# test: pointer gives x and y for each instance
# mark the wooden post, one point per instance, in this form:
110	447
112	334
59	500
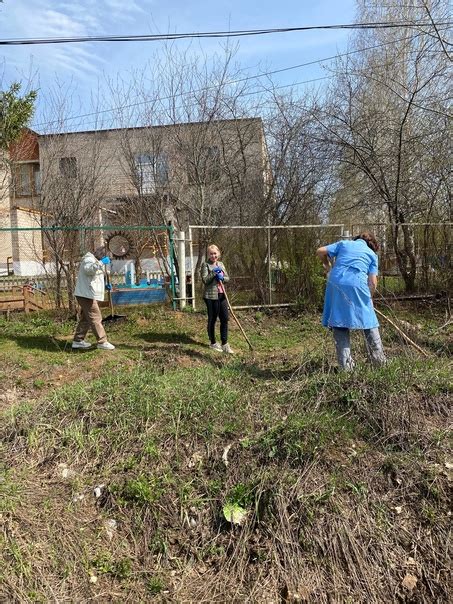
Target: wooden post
26	295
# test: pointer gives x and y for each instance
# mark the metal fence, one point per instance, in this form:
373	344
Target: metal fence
268	265
38	265
277	265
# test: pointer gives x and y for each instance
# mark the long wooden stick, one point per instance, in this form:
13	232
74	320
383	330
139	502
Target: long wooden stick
109	291
402	334
235	318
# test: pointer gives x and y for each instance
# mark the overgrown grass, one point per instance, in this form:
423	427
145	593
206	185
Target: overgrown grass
120	466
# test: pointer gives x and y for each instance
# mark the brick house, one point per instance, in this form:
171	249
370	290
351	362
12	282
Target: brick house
192	172
21	252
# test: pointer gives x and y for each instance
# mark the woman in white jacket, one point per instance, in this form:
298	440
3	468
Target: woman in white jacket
88	291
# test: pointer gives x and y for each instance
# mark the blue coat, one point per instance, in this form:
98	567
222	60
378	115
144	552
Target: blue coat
348	301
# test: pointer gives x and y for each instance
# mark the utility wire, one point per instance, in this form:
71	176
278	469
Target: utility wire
251	93
215	34
228	83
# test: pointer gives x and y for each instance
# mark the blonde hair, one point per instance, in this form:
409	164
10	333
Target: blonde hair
213	247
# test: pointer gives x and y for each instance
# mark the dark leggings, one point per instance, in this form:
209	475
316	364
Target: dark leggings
217	308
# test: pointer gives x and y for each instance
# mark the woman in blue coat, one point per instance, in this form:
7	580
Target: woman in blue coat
352	268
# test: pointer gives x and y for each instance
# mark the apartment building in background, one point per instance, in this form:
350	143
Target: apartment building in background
145	175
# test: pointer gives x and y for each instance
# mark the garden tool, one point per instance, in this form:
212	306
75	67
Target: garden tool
112	316
235	318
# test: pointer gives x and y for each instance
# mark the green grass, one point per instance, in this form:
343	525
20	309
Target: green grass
175	433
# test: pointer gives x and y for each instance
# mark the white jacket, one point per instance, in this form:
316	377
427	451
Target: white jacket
90	280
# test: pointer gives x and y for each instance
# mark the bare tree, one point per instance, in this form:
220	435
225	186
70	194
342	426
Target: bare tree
196	158
385	115
75	182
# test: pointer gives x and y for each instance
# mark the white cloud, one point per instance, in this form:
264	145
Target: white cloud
122	7
50	19
85	63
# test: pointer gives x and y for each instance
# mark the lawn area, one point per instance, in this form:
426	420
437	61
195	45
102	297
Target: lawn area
166	472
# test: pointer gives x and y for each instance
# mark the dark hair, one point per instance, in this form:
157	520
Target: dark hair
369	239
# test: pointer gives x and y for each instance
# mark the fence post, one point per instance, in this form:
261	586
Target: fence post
269	268
172	265
182	269
192	272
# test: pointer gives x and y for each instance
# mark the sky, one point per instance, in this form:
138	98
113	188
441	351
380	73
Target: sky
84	67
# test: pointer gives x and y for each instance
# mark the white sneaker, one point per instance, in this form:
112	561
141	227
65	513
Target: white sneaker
81	344
227	348
216	346
106	346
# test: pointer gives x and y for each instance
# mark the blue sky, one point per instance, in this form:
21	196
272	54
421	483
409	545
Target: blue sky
82	66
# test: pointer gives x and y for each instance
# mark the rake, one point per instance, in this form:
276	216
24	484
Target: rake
235	318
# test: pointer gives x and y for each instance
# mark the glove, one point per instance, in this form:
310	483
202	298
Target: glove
108	287
220	276
217	270
105	260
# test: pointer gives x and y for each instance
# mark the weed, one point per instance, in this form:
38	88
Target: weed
36	597
150	448
242	494
158	545
10	491
300	437
155	586
429	513
105	563
21	563
312	506
358	488
141	490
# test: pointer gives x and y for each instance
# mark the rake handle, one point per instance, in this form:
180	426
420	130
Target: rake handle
235	318
109	291
401	332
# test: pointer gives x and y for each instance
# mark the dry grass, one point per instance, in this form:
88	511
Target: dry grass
344	477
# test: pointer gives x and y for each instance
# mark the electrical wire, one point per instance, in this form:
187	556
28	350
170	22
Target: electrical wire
228	83
216	34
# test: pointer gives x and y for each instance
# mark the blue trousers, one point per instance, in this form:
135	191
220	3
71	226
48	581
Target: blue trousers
343	346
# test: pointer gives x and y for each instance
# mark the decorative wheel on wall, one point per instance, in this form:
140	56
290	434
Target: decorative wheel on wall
120	245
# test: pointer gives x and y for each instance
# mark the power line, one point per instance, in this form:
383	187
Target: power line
228	83
214	34
251	93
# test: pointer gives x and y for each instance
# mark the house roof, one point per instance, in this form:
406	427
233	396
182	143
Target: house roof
26	147
258	120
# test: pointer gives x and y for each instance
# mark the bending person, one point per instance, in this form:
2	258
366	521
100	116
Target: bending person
352	268
89	290
214	275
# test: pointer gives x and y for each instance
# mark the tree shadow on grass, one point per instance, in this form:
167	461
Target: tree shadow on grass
269	373
44	343
177	353
168	338
293	372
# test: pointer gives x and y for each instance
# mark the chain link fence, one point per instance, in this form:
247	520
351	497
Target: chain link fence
268	265
431	244
278	266
38	265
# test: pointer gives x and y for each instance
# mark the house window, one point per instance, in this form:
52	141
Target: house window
151	172
68	167
206	167
212	164
27	180
36	179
